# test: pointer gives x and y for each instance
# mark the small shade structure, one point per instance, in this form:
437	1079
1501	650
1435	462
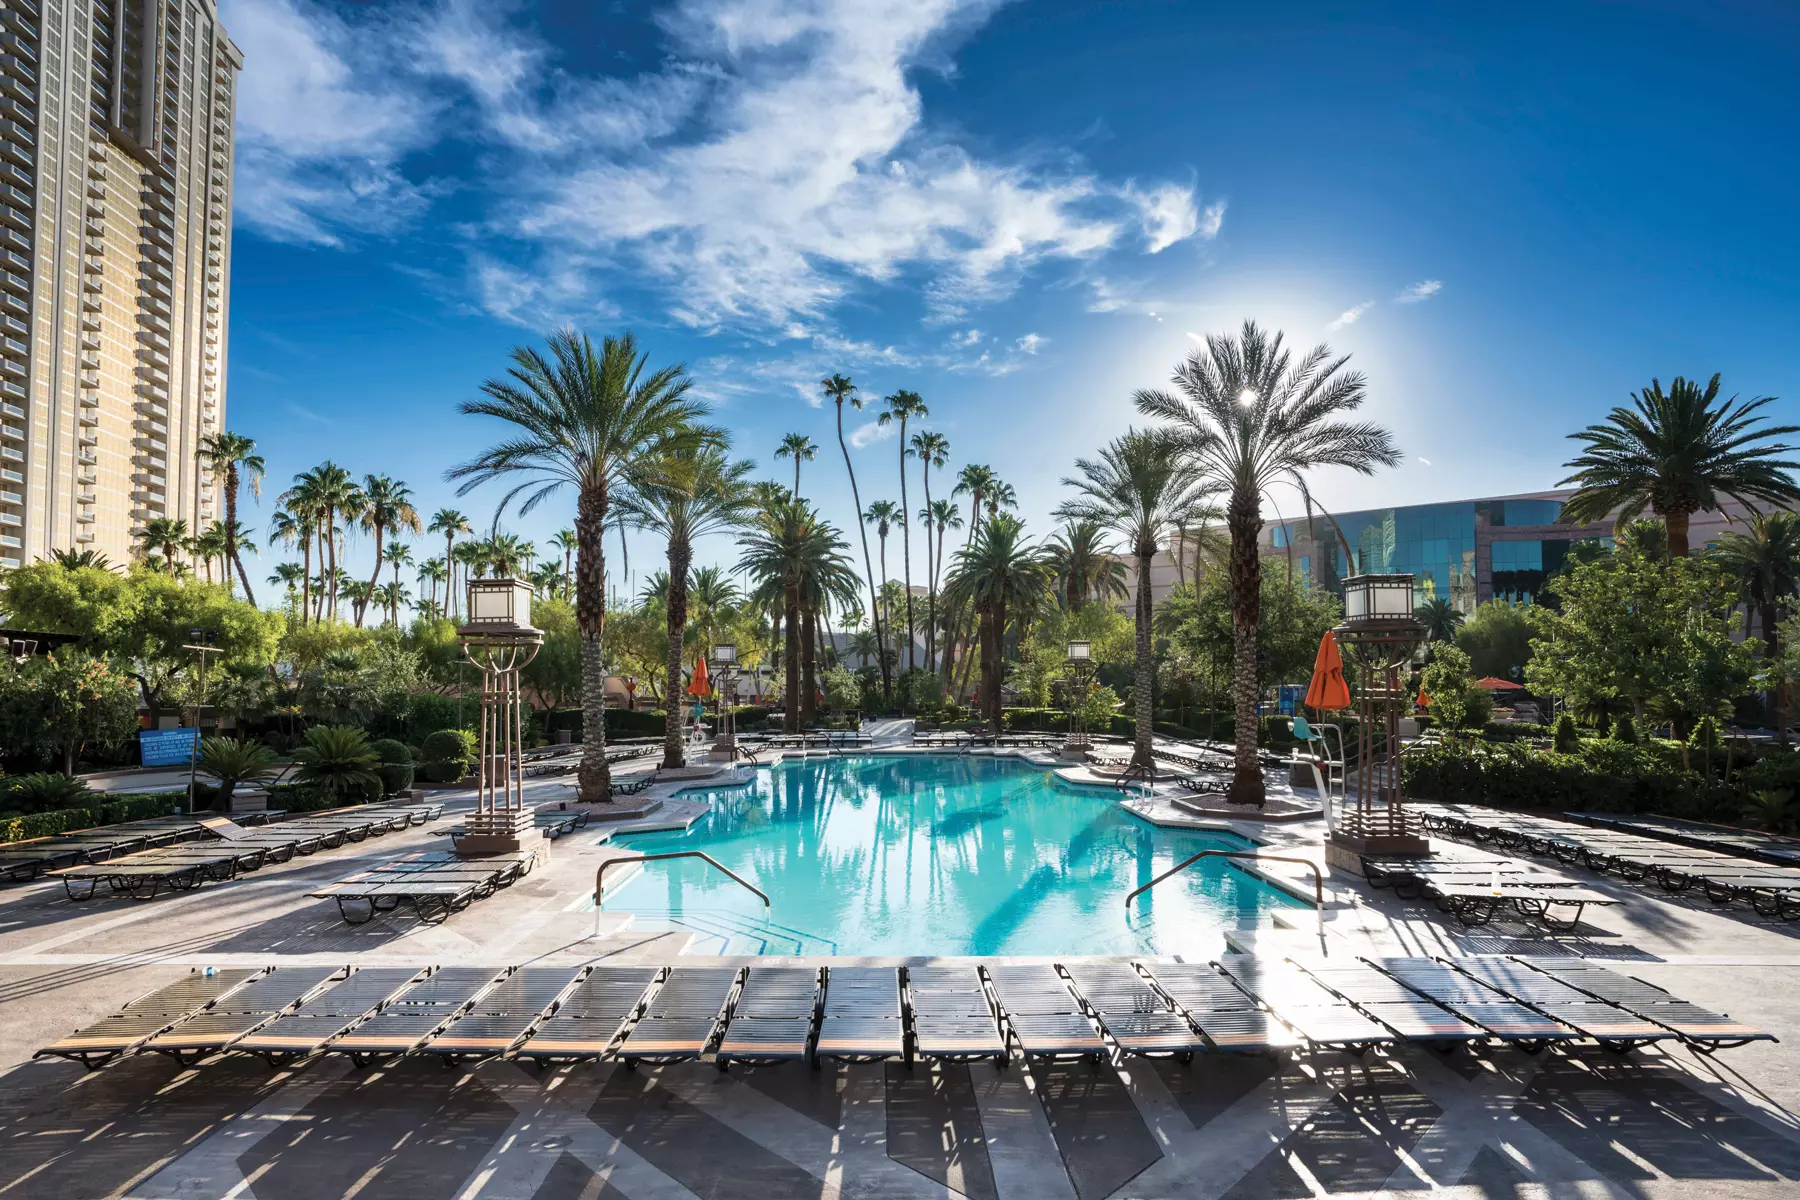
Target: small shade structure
1328	690
700	685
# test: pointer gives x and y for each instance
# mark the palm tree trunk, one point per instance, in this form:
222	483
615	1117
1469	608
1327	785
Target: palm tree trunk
624	554
1245	518
862	528
965	622
595	777
679	554
930	577
331	546
231	526
790	653
1675	530
906	550
993	664
306	566
375	577
1140	690
809	669
887	686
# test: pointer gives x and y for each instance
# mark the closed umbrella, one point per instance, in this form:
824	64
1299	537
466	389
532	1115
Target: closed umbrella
1328	690
700	685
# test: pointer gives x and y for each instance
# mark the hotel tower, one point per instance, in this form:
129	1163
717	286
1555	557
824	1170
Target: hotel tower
115	254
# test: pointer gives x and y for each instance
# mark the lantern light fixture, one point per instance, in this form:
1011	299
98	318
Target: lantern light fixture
1081	652
1378	598
499	606
725	654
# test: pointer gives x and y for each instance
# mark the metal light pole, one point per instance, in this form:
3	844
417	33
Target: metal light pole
1380	634
1080	666
725	666
203	646
499	640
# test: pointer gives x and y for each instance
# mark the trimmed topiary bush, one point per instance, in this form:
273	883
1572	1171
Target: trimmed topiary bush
390	751
1624	731
447	755
1567	738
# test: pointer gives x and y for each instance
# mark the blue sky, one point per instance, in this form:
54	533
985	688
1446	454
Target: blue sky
1512	216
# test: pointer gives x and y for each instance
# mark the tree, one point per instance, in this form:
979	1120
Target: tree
398	555
1201	632
1765	564
290	524
387	508
1136	488
997	571
228	763
800	448
1440	618
164	535
289	575
1452	695
79	558
326	494
1497	640
1252	417
904	406
207	547
1084	565
338	760
882	514
449	522
704	494
589	419
839	390
1676	453
56	705
565	541
555	674
932	450
787	547
233	457
941	516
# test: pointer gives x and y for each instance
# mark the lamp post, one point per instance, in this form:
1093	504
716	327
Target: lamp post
1080	666
1380	634
499	640
725	667
201	644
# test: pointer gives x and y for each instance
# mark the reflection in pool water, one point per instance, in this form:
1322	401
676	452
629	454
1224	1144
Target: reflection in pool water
937	855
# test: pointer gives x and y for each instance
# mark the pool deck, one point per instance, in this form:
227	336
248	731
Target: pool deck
1504	1124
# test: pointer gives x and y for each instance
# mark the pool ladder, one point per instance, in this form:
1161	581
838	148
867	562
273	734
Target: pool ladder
600	875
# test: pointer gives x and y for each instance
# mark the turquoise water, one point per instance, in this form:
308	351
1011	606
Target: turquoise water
937	855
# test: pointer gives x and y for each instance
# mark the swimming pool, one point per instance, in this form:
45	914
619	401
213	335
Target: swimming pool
937	854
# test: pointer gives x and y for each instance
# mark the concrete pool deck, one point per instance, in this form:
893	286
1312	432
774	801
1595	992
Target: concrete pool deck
1650	1124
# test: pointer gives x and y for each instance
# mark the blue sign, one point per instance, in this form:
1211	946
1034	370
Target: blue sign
1292	697
167	747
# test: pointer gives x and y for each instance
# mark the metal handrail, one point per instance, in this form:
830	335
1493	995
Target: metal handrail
600	876
1318	878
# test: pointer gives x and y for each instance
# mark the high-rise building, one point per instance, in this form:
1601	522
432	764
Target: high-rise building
115	253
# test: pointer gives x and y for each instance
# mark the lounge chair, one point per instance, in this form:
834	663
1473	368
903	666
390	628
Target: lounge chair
1324	1019
1223	1012
503	1016
1042	1014
588	1021
1613	1027
772	1019
1703	1030
314	1023
953	1016
417	1013
1502	1017
682	1017
246	1009
147	1016
1138	1018
1387	1001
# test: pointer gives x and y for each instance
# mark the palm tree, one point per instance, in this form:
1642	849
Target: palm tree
208	546
433	571
904	406
839	390
1137	488
940	516
1765	562
882	514
705	494
590	419
800	448
790	547
327	493
932	450
978	480
358	592
391	596
1675	454
1252	417
546	578
296	521
387	507
1083	564
715	598
504	552
565	541
288	575
449	522
398	555
655	589
75	560
996	573
1440	618
164	535
233	456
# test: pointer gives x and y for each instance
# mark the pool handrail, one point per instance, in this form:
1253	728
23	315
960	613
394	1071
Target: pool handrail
1318	877
600	875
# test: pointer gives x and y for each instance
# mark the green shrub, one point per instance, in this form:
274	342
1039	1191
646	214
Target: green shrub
44	791
388	750
227	763
121	807
1602	776
1705	736
395	777
919	691
1771	809
1624	731
337	759
1568	738
630	722
428	712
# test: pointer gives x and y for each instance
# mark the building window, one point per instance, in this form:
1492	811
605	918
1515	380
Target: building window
1524	512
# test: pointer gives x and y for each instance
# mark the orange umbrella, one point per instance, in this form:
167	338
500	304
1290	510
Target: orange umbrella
1328	689
701	685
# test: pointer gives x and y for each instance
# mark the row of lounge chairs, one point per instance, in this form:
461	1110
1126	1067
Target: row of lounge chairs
957	1012
1476	891
830	739
1724	879
22	862
232	850
1750	843
433	883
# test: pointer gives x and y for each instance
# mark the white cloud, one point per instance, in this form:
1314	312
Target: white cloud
1030	343
1351	316
1212	219
1426	461
1116	297
870	432
966	338
1168	215
322	125
1197	337
1423	290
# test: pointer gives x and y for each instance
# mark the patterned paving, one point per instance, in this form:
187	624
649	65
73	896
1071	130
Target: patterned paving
1222	1126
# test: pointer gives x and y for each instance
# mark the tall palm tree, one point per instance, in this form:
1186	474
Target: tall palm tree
164	535
289	575
449	522
996	573
232	458
296	521
588	418
328	493
390	596
941	516
1136	488
932	450
1252	416
800	448
715	598
1440	618
358	592
1765	562
434	571
839	390
397	555
882	514
1084	565
1675	453
387	508
546	579
904	406
978	480
789	546
208	546
565	541
705	494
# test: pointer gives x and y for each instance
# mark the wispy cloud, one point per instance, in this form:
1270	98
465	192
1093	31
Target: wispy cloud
1212	219
1426	461
1030	343
1425	289
967	337
1351	316
871	432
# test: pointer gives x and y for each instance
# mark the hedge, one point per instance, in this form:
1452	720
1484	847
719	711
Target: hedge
620	722
1603	776
17	827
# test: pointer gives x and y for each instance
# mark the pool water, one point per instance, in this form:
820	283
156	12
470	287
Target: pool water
915	855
